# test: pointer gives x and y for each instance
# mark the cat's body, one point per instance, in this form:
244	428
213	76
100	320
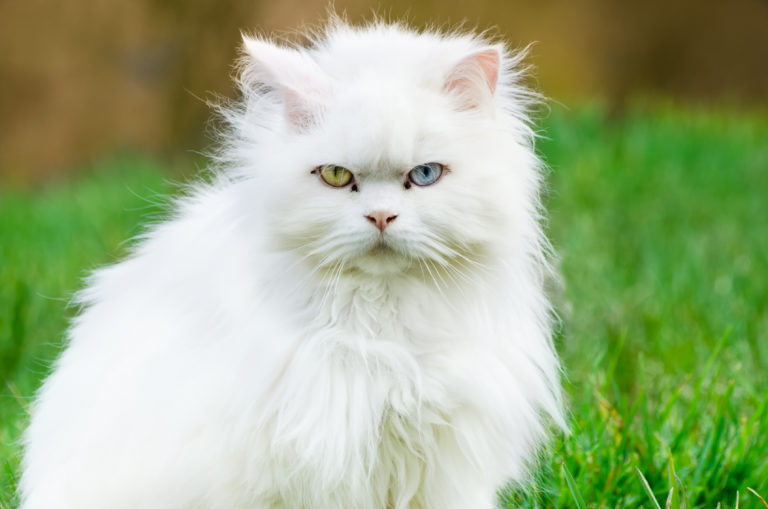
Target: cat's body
280	344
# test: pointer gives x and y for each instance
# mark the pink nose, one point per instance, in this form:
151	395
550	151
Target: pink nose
381	218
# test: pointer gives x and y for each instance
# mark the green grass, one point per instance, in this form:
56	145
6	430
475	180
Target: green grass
660	218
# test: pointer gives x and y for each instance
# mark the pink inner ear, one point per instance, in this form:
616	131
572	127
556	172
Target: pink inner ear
300	110
489	63
470	73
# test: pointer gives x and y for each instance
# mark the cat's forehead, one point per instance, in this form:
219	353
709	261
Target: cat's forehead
348	53
382	128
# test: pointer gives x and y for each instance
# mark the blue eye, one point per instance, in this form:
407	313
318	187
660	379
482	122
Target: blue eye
425	174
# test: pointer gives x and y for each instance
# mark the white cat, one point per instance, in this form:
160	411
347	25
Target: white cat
350	316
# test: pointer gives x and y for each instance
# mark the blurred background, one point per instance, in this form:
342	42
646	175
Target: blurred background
84	79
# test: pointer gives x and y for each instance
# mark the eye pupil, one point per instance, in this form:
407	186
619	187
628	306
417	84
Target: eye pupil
425	174
334	175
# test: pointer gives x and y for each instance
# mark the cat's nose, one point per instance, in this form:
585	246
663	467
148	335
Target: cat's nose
381	218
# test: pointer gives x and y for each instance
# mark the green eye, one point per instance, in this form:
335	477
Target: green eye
333	175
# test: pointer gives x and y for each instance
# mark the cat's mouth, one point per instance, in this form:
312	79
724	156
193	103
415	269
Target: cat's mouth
382	244
382	248
382	256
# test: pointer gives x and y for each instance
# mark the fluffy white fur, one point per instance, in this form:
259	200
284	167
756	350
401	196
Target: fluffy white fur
268	347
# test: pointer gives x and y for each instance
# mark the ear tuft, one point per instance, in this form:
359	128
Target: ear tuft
473	80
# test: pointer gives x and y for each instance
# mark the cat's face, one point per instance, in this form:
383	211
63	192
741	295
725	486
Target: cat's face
394	174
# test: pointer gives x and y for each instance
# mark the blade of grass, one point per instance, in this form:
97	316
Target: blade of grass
574	489
648	489
674	499
758	496
684	492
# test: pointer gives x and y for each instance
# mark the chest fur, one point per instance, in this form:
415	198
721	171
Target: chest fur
364	404
356	426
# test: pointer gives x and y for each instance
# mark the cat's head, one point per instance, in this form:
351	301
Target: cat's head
384	149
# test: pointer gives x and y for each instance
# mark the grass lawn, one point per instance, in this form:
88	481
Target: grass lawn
660	218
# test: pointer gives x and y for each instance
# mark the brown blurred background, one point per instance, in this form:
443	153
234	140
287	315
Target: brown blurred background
83	79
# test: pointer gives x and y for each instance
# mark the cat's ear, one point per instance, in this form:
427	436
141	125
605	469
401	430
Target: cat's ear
473	79
303	88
